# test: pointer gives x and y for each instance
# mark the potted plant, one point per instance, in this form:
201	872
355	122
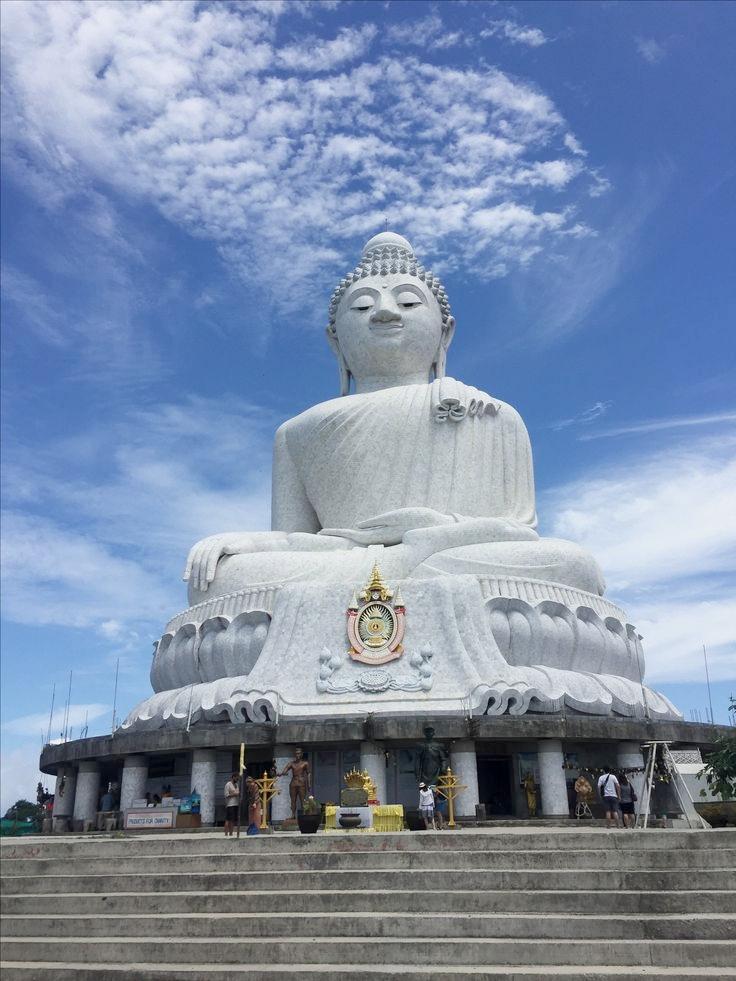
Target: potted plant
310	817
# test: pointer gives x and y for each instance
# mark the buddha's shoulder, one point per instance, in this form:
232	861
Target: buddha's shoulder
457	399
343	405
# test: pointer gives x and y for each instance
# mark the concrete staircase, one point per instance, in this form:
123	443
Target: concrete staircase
505	903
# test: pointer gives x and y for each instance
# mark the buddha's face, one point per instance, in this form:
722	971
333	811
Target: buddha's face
389	326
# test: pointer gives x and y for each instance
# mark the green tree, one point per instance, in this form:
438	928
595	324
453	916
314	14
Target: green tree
720	765
21	810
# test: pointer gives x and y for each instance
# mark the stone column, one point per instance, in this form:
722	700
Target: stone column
281	803
204	781
630	754
133	784
88	791
373	759
463	764
64	802
552	778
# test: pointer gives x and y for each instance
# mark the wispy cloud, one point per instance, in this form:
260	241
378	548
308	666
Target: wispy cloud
631	515
660	425
585	417
511	30
663	527
650	50
272	151
104	546
315	55
429	32
38	722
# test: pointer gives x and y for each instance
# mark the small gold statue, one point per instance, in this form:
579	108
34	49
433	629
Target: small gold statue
530	789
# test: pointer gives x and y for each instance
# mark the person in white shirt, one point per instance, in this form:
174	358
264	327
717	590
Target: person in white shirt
232	803
426	806
610	793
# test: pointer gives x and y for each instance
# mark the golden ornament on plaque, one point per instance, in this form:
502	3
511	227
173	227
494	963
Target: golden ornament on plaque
376	622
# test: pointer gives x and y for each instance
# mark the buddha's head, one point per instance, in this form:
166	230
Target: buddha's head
390	321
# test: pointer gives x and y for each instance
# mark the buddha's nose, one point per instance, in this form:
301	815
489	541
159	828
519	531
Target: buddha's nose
386	310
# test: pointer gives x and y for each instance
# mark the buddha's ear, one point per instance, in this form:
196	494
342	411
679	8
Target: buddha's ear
448	333
440	363
341	363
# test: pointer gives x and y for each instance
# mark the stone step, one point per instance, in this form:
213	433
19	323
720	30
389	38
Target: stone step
366	900
439	926
338	950
244	861
171	843
415	879
78	971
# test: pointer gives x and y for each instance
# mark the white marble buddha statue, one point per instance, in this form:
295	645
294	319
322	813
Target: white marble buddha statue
430	480
409	468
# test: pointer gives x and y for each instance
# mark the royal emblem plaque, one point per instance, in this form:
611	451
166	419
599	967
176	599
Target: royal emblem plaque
376	622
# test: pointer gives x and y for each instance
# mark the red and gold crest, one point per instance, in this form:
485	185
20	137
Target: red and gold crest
376	622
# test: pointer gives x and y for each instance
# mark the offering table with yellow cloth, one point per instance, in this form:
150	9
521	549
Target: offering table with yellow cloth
385	817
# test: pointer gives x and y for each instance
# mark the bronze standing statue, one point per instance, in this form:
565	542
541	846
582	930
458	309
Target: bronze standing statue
432	759
300	778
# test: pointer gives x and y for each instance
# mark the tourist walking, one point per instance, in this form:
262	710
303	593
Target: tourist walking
440	808
610	793
628	799
426	806
232	803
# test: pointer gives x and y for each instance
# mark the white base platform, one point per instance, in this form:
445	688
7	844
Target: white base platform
473	646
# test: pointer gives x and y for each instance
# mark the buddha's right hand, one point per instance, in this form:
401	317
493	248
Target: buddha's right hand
204	556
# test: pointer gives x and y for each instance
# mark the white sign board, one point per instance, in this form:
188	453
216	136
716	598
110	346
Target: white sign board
150	819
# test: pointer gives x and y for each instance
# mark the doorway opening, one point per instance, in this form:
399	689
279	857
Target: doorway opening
494	785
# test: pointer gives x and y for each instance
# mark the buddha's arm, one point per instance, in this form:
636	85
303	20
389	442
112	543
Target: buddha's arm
293	520
291	509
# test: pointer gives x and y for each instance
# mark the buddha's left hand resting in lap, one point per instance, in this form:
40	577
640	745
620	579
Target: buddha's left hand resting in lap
408	467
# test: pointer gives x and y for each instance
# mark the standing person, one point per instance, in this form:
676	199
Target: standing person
232	802
440	808
627	799
426	806
610	793
253	800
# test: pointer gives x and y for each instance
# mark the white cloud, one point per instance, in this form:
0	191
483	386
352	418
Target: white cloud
651	51
675	628
659	425
142	492
574	145
19	773
75	717
663	527
517	33
661	517
270	151
585	417
429	33
315	55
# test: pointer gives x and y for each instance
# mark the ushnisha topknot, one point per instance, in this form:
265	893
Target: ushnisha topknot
384	254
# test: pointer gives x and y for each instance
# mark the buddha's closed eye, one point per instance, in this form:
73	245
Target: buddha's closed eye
362	303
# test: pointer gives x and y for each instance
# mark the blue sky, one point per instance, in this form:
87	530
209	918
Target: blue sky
183	186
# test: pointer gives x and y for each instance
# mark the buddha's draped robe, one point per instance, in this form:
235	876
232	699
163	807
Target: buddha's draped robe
444	446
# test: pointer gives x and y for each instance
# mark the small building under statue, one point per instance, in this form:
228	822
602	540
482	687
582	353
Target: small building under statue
403	611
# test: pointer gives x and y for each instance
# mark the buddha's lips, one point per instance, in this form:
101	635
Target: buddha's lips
386	328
